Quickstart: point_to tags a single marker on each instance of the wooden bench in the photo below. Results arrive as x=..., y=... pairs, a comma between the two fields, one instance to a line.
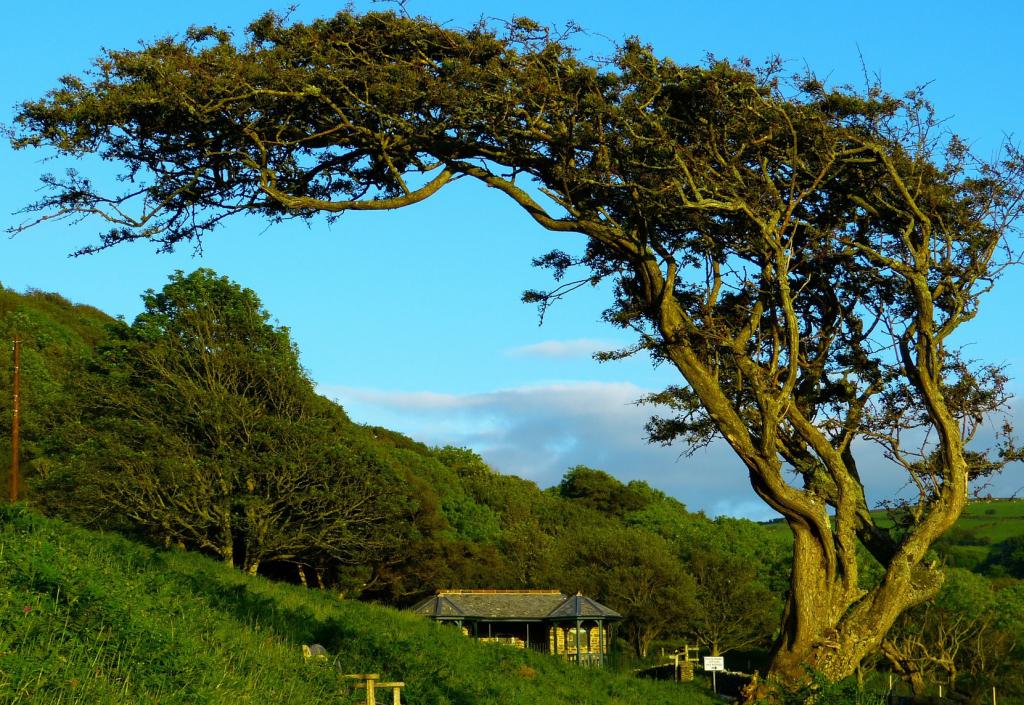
x=371, y=682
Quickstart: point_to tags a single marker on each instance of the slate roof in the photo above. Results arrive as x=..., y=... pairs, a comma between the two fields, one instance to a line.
x=511, y=605
x=580, y=606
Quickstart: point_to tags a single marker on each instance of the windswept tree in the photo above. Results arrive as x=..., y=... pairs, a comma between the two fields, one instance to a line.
x=801, y=254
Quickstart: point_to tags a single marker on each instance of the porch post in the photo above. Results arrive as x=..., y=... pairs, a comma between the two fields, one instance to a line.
x=579, y=656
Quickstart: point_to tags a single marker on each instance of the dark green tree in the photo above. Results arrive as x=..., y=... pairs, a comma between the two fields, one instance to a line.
x=1006, y=558
x=734, y=609
x=197, y=426
x=601, y=491
x=636, y=573
x=801, y=255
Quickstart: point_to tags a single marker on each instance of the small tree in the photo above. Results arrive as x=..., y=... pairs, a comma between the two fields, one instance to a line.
x=967, y=636
x=599, y=490
x=801, y=255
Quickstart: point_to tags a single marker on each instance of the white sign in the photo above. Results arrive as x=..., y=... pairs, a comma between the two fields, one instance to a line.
x=714, y=663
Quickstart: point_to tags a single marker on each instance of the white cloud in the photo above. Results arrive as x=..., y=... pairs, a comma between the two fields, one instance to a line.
x=563, y=349
x=539, y=431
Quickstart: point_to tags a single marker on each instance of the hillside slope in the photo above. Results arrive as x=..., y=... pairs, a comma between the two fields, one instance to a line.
x=89, y=617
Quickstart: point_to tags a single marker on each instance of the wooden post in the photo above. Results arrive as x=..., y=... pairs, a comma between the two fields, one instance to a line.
x=600, y=636
x=369, y=681
x=396, y=691
x=16, y=422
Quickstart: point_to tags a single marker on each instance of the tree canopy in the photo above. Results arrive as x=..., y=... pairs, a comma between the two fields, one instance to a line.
x=801, y=254
x=197, y=427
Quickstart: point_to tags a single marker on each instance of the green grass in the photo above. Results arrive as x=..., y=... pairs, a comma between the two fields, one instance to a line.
x=995, y=520
x=96, y=619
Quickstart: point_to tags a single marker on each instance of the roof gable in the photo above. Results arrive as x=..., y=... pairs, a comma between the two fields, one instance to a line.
x=511, y=605
x=579, y=606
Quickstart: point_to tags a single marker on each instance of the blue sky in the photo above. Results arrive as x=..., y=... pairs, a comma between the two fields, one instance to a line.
x=412, y=319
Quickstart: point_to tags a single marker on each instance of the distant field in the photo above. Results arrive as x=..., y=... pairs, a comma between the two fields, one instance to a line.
x=996, y=520
x=991, y=520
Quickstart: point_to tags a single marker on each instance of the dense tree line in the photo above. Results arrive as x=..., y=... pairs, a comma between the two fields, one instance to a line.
x=195, y=426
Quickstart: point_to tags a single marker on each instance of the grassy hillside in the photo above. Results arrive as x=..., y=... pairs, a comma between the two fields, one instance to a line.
x=994, y=520
x=93, y=618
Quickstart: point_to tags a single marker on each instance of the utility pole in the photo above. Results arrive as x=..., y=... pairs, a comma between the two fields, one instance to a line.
x=15, y=421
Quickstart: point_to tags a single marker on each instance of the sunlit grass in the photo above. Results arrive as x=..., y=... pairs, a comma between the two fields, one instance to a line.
x=95, y=619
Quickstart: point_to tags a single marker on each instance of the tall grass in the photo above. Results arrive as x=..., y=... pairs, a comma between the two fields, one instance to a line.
x=95, y=619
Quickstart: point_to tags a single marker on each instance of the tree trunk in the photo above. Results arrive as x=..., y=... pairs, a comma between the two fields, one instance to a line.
x=811, y=612
x=829, y=626
x=227, y=541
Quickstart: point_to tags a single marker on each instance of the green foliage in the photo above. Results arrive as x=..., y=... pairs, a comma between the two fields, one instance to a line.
x=1006, y=558
x=696, y=535
x=968, y=638
x=736, y=609
x=56, y=336
x=599, y=490
x=637, y=573
x=91, y=618
x=470, y=519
